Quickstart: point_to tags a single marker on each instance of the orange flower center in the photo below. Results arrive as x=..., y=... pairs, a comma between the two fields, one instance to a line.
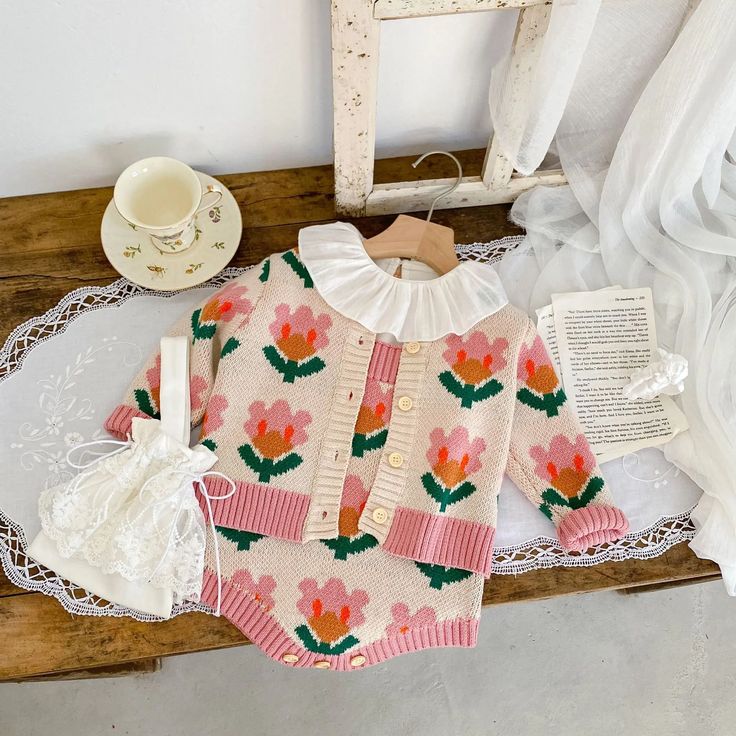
x=450, y=472
x=327, y=625
x=370, y=420
x=347, y=524
x=472, y=370
x=272, y=444
x=542, y=378
x=569, y=481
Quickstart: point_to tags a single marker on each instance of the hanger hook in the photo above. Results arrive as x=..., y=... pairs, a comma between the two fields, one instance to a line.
x=447, y=191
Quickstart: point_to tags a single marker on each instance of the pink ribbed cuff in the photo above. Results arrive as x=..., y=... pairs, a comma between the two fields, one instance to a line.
x=441, y=540
x=591, y=525
x=384, y=364
x=266, y=633
x=119, y=422
x=258, y=508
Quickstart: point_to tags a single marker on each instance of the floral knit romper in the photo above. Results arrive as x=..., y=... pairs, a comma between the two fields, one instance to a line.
x=345, y=602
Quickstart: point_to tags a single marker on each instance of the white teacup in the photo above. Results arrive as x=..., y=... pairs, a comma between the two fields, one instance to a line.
x=161, y=196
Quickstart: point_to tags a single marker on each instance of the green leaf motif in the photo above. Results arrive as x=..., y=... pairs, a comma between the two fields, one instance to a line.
x=209, y=443
x=286, y=463
x=363, y=443
x=201, y=331
x=446, y=496
x=490, y=388
x=440, y=576
x=466, y=392
x=298, y=268
x=548, y=403
x=552, y=497
x=143, y=399
x=322, y=647
x=229, y=346
x=266, y=467
x=243, y=539
x=265, y=271
x=290, y=370
x=343, y=546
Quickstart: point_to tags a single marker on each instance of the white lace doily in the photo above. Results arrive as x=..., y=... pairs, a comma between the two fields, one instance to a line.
x=63, y=371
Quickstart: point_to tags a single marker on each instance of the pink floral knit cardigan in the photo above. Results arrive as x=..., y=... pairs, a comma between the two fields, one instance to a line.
x=345, y=445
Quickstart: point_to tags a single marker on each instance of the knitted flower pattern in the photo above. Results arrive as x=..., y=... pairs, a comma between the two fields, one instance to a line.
x=403, y=622
x=274, y=433
x=541, y=386
x=223, y=307
x=567, y=467
x=298, y=336
x=453, y=457
x=473, y=363
x=148, y=399
x=371, y=428
x=260, y=591
x=212, y=420
x=331, y=615
x=350, y=539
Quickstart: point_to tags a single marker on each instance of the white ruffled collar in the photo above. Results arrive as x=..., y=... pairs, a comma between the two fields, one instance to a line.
x=422, y=309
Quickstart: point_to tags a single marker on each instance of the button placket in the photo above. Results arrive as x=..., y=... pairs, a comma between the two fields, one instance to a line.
x=322, y=518
x=390, y=480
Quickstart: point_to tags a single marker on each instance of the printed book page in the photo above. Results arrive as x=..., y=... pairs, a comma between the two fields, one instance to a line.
x=598, y=339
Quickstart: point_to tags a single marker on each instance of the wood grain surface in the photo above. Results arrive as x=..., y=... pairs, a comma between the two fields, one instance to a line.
x=49, y=245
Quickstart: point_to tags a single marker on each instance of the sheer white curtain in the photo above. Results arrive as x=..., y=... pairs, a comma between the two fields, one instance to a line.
x=646, y=141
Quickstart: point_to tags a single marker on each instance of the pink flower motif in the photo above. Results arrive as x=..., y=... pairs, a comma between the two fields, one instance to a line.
x=475, y=359
x=535, y=368
x=212, y=419
x=226, y=303
x=197, y=385
x=260, y=591
x=330, y=612
x=153, y=376
x=566, y=466
x=354, y=497
x=455, y=456
x=403, y=622
x=276, y=431
x=299, y=335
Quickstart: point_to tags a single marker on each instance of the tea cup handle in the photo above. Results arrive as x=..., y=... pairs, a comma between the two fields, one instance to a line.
x=211, y=189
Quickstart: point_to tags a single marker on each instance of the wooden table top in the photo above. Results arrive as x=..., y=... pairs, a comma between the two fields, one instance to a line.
x=50, y=245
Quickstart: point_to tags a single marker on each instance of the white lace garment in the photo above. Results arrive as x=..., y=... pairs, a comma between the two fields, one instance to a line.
x=129, y=527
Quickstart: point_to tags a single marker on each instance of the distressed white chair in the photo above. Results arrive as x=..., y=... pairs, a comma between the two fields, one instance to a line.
x=355, y=42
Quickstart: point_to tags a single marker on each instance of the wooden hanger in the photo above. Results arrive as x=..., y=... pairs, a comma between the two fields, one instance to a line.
x=421, y=240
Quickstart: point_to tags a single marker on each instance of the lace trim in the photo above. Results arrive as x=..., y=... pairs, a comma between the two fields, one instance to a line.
x=542, y=552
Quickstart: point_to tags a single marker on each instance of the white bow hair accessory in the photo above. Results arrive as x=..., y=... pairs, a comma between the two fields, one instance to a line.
x=664, y=376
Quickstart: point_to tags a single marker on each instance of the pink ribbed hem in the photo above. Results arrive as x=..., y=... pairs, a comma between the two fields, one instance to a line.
x=265, y=632
x=384, y=363
x=591, y=525
x=119, y=422
x=259, y=508
x=441, y=540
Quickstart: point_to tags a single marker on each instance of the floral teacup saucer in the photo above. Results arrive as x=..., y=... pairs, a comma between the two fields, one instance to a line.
x=133, y=254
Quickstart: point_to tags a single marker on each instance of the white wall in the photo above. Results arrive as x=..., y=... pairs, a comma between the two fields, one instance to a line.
x=227, y=85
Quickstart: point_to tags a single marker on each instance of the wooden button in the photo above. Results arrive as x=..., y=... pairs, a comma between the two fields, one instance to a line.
x=290, y=658
x=405, y=403
x=357, y=660
x=322, y=664
x=380, y=515
x=395, y=460
x=412, y=347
